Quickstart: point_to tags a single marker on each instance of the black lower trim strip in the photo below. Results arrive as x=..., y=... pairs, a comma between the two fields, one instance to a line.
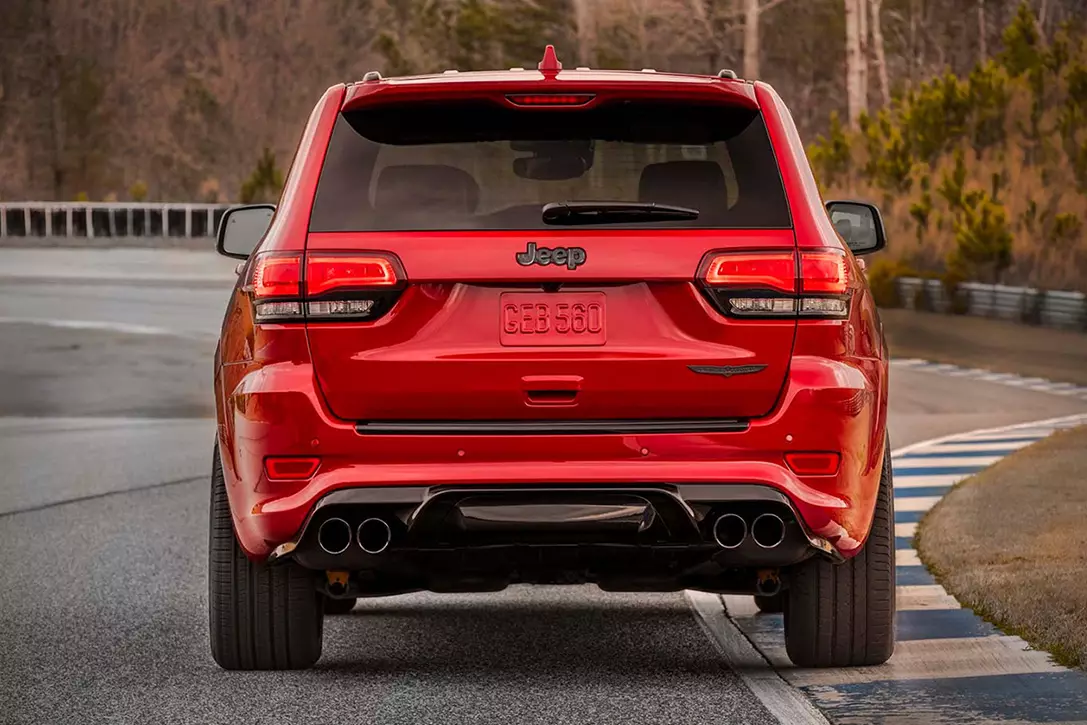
x=548, y=427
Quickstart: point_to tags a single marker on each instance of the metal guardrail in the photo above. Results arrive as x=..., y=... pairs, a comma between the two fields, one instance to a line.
x=109, y=219
x=1067, y=310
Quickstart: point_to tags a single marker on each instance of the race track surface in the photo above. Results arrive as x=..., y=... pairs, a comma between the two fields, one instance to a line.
x=105, y=445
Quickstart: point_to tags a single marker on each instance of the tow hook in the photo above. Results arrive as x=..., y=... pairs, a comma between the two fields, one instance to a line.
x=768, y=583
x=337, y=582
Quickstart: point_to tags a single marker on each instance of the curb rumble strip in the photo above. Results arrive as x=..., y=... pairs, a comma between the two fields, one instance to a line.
x=949, y=665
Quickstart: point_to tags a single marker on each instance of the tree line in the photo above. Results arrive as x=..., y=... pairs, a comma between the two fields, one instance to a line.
x=963, y=117
x=180, y=100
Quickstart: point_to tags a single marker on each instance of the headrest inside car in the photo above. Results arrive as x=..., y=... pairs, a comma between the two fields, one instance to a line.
x=426, y=188
x=694, y=184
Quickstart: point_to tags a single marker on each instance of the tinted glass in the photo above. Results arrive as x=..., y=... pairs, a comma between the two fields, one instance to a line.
x=481, y=165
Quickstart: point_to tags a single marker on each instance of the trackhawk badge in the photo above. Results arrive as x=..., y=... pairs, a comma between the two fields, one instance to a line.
x=726, y=370
x=572, y=257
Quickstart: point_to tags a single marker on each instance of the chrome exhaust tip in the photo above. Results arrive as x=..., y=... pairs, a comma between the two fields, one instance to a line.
x=334, y=536
x=374, y=536
x=768, y=530
x=729, y=531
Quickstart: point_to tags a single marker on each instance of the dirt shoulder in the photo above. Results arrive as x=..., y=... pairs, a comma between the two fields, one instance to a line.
x=997, y=345
x=1026, y=573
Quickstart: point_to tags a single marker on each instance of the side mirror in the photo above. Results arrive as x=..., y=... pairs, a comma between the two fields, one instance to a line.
x=859, y=224
x=242, y=228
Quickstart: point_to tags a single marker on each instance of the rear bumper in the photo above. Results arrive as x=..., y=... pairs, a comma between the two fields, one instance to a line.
x=827, y=405
x=483, y=538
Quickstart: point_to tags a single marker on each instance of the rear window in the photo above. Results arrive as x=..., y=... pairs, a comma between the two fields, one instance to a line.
x=480, y=165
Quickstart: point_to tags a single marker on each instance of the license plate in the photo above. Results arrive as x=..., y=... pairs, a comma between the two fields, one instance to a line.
x=559, y=318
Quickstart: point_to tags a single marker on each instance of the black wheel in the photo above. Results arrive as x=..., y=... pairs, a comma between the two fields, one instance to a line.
x=339, y=606
x=844, y=615
x=262, y=618
x=774, y=604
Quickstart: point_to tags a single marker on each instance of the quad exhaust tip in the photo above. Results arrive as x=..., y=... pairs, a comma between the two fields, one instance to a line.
x=334, y=536
x=729, y=531
x=374, y=536
x=768, y=530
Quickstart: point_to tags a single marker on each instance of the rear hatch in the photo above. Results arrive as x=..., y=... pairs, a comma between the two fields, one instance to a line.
x=490, y=305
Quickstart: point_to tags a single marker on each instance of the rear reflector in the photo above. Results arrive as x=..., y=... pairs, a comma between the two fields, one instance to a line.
x=550, y=99
x=290, y=469
x=813, y=464
x=327, y=272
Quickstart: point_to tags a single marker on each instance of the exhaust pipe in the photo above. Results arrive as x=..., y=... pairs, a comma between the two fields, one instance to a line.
x=729, y=531
x=768, y=583
x=374, y=536
x=768, y=530
x=334, y=536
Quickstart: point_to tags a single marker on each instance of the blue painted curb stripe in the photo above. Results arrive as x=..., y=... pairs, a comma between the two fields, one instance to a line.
x=903, y=542
x=937, y=470
x=922, y=491
x=954, y=454
x=908, y=517
x=909, y=576
x=1023, y=439
x=1036, y=698
x=940, y=623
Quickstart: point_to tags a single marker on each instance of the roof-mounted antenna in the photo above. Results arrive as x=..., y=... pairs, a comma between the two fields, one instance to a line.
x=550, y=62
x=727, y=73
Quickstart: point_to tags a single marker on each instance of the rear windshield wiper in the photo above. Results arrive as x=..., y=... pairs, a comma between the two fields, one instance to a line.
x=614, y=212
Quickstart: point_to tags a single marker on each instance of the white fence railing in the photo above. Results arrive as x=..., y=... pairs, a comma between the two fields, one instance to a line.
x=108, y=219
x=1020, y=304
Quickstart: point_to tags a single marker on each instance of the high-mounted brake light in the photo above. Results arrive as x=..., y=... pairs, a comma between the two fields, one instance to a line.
x=550, y=99
x=767, y=284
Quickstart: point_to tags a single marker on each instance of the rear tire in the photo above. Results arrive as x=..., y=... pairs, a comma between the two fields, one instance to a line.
x=339, y=606
x=771, y=605
x=843, y=615
x=261, y=617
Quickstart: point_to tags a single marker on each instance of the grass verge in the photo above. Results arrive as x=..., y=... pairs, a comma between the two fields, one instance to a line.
x=1025, y=573
x=997, y=345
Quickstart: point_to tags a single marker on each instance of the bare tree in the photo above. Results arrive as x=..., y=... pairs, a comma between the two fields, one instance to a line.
x=856, y=62
x=983, y=51
x=753, y=10
x=879, y=47
x=585, y=17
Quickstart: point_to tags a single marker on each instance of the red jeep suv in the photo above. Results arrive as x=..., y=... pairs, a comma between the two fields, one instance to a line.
x=550, y=326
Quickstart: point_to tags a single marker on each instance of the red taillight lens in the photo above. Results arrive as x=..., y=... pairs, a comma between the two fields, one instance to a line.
x=750, y=270
x=276, y=275
x=290, y=469
x=766, y=284
x=550, y=99
x=824, y=272
x=328, y=272
x=813, y=464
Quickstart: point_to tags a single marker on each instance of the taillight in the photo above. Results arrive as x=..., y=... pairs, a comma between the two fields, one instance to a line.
x=275, y=285
x=773, y=284
x=327, y=286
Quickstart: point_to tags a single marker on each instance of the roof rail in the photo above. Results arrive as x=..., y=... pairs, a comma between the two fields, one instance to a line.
x=727, y=73
x=371, y=76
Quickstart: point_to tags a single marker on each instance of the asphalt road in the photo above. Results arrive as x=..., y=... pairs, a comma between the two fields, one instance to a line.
x=105, y=447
